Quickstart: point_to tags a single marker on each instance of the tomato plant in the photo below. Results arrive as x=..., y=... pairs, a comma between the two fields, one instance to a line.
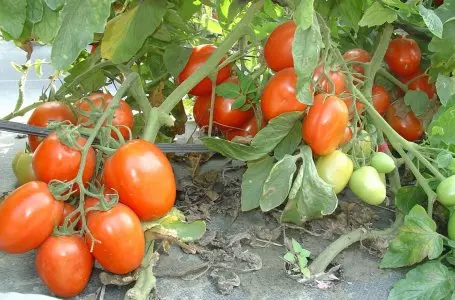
x=382, y=162
x=22, y=167
x=381, y=98
x=407, y=125
x=366, y=184
x=418, y=82
x=446, y=191
x=335, y=83
x=335, y=169
x=357, y=55
x=278, y=47
x=249, y=129
x=403, y=56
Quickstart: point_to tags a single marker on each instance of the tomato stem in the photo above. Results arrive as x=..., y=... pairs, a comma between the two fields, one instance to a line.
x=393, y=79
x=212, y=102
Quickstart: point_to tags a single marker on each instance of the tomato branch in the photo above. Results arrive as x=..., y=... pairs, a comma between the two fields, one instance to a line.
x=393, y=79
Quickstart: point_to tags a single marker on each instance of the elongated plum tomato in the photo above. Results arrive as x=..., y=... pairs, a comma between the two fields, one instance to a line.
x=335, y=169
x=123, y=114
x=198, y=57
x=278, y=95
x=54, y=160
x=143, y=179
x=22, y=167
x=421, y=84
x=382, y=162
x=347, y=136
x=446, y=191
x=249, y=129
x=403, y=56
x=324, y=126
x=27, y=217
x=408, y=126
x=45, y=113
x=64, y=264
x=357, y=55
x=381, y=98
x=367, y=184
x=278, y=48
x=338, y=80
x=119, y=245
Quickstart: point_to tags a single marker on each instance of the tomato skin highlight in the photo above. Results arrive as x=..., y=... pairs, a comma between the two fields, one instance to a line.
x=408, y=126
x=403, y=56
x=381, y=98
x=421, y=84
x=335, y=169
x=324, y=126
x=249, y=129
x=121, y=243
x=382, y=162
x=366, y=183
x=22, y=167
x=46, y=112
x=278, y=47
x=64, y=264
x=27, y=217
x=198, y=57
x=278, y=95
x=446, y=191
x=143, y=178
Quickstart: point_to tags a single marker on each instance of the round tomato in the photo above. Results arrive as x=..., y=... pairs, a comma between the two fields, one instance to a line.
x=338, y=84
x=335, y=169
x=54, y=160
x=27, y=217
x=249, y=129
x=324, y=126
x=198, y=57
x=357, y=55
x=119, y=241
x=278, y=48
x=403, y=56
x=64, y=264
x=22, y=167
x=347, y=136
x=44, y=114
x=382, y=162
x=278, y=95
x=421, y=84
x=446, y=191
x=143, y=178
x=408, y=126
x=96, y=104
x=366, y=183
x=381, y=98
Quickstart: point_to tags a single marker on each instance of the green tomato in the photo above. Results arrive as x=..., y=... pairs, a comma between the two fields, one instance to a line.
x=366, y=183
x=363, y=144
x=382, y=175
x=382, y=162
x=335, y=169
x=22, y=167
x=446, y=191
x=451, y=227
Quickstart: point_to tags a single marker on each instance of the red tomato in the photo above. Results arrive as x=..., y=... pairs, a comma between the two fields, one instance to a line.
x=198, y=57
x=420, y=84
x=403, y=56
x=324, y=126
x=249, y=129
x=27, y=217
x=45, y=113
x=357, y=55
x=407, y=126
x=359, y=106
x=278, y=48
x=64, y=264
x=438, y=2
x=123, y=114
x=347, y=136
x=381, y=98
x=54, y=160
x=278, y=95
x=143, y=179
x=338, y=79
x=120, y=243
x=93, y=48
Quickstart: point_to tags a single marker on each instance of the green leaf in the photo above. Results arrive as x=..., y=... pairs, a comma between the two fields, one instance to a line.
x=80, y=20
x=416, y=240
x=316, y=198
x=126, y=33
x=443, y=59
x=409, y=196
x=228, y=90
x=273, y=10
x=305, y=51
x=290, y=143
x=278, y=183
x=55, y=4
x=37, y=65
x=12, y=16
x=296, y=247
x=445, y=86
x=351, y=12
x=290, y=257
x=234, y=150
x=175, y=58
x=92, y=82
x=162, y=34
x=377, y=14
x=304, y=14
x=291, y=213
x=441, y=129
x=246, y=83
x=253, y=180
x=418, y=101
x=445, y=11
x=47, y=28
x=189, y=8
x=303, y=262
x=431, y=19
x=35, y=10
x=444, y=159
x=239, y=103
x=431, y=280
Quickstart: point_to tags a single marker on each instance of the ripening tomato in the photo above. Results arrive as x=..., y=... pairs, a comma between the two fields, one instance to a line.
x=403, y=56
x=119, y=241
x=123, y=114
x=22, y=167
x=335, y=169
x=278, y=95
x=198, y=57
x=249, y=129
x=54, y=160
x=408, y=126
x=64, y=264
x=44, y=114
x=143, y=178
x=338, y=80
x=358, y=106
x=324, y=126
x=278, y=48
x=381, y=98
x=347, y=136
x=27, y=217
x=357, y=55
x=421, y=84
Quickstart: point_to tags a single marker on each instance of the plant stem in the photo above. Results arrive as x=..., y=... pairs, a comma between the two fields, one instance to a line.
x=21, y=112
x=212, y=102
x=393, y=79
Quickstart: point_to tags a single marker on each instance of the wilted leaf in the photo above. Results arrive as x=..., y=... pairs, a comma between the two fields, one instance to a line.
x=234, y=150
